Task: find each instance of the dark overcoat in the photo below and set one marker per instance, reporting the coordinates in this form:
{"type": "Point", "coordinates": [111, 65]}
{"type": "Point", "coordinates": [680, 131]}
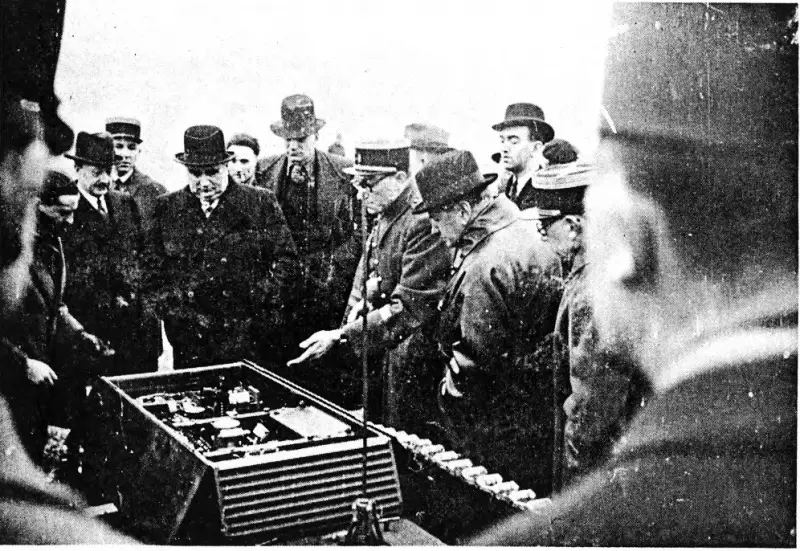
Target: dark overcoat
{"type": "Point", "coordinates": [710, 462]}
{"type": "Point", "coordinates": [42, 329]}
{"type": "Point", "coordinates": [410, 264]}
{"type": "Point", "coordinates": [219, 283]}
{"type": "Point", "coordinates": [496, 316]}
{"type": "Point", "coordinates": [104, 259]}
{"type": "Point", "coordinates": [328, 240]}
{"type": "Point", "coordinates": [144, 191]}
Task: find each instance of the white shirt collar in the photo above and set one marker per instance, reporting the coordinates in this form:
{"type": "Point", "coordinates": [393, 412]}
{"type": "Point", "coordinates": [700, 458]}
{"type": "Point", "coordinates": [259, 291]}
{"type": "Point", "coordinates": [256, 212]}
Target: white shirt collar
{"type": "Point", "coordinates": [93, 200]}
{"type": "Point", "coordinates": [124, 179]}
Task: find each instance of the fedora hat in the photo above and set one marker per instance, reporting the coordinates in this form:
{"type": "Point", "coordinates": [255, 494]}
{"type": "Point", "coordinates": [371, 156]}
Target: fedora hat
{"type": "Point", "coordinates": [203, 145]}
{"type": "Point", "coordinates": [124, 127]}
{"type": "Point", "coordinates": [527, 114]}
{"type": "Point", "coordinates": [93, 149]}
{"type": "Point", "coordinates": [427, 137]}
{"type": "Point", "coordinates": [448, 178]}
{"type": "Point", "coordinates": [379, 157]}
{"type": "Point", "coordinates": [297, 118]}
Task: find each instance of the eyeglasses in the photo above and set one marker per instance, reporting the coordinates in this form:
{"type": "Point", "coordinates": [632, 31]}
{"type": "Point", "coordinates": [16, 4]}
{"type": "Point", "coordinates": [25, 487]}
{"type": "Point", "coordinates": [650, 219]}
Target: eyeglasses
{"type": "Point", "coordinates": [208, 171]}
{"type": "Point", "coordinates": [367, 182]}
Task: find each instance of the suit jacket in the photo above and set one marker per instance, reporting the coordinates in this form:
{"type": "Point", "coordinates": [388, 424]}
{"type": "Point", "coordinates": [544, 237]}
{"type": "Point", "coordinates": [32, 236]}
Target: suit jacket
{"type": "Point", "coordinates": [219, 282]}
{"type": "Point", "coordinates": [412, 264]}
{"type": "Point", "coordinates": [144, 191]}
{"type": "Point", "coordinates": [524, 198]}
{"type": "Point", "coordinates": [329, 245]}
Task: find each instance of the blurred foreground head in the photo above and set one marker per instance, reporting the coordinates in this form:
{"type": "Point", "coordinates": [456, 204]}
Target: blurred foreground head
{"type": "Point", "coordinates": [693, 229]}
{"type": "Point", "coordinates": [30, 129]}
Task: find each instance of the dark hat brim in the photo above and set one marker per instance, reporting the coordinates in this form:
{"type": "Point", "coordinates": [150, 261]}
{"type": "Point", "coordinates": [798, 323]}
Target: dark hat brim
{"type": "Point", "coordinates": [435, 147]}
{"type": "Point", "coordinates": [204, 161]}
{"type": "Point", "coordinates": [88, 161]}
{"type": "Point", "coordinates": [444, 200]}
{"type": "Point", "coordinates": [128, 136]}
{"type": "Point", "coordinates": [548, 131]}
{"type": "Point", "coordinates": [280, 130]}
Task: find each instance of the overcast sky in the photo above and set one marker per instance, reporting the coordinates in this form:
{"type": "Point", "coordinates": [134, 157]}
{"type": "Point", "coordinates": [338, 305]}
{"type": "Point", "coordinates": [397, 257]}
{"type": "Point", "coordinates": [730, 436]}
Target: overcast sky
{"type": "Point", "coordinates": [371, 67]}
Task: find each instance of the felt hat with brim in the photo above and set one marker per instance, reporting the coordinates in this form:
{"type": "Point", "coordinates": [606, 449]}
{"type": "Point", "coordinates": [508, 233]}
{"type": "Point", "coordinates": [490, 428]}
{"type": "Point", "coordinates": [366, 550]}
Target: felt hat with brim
{"type": "Point", "coordinates": [448, 178]}
{"type": "Point", "coordinates": [558, 190]}
{"type": "Point", "coordinates": [297, 118]}
{"type": "Point", "coordinates": [427, 137]}
{"type": "Point", "coordinates": [203, 145]}
{"type": "Point", "coordinates": [379, 157]}
{"type": "Point", "coordinates": [93, 149]}
{"type": "Point", "coordinates": [527, 114]}
{"type": "Point", "coordinates": [124, 127]}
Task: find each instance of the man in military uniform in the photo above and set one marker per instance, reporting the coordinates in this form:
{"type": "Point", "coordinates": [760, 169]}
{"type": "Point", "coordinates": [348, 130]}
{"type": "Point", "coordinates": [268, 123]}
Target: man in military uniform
{"type": "Point", "coordinates": [693, 284]}
{"type": "Point", "coordinates": [321, 210]}
{"type": "Point", "coordinates": [408, 266]}
{"type": "Point", "coordinates": [497, 310]}
{"type": "Point", "coordinates": [219, 260]}
{"type": "Point", "coordinates": [126, 178]}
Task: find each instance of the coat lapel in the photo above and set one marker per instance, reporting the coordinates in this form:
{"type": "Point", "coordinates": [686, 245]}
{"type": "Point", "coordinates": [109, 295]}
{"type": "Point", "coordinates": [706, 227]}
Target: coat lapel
{"type": "Point", "coordinates": [398, 207]}
{"type": "Point", "coordinates": [328, 193]}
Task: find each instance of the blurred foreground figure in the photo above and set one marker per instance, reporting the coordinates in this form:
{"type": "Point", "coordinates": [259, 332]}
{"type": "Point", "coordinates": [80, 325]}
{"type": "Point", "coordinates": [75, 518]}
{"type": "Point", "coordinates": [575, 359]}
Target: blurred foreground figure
{"type": "Point", "coordinates": [692, 248]}
{"type": "Point", "coordinates": [32, 511]}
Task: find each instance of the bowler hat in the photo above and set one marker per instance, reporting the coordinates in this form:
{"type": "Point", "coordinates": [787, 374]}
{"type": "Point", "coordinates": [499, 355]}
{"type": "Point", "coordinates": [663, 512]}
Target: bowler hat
{"type": "Point", "coordinates": [297, 118]}
{"type": "Point", "coordinates": [559, 189]}
{"type": "Point", "coordinates": [527, 114]}
{"type": "Point", "coordinates": [123, 127]}
{"type": "Point", "coordinates": [93, 149]}
{"type": "Point", "coordinates": [380, 157]}
{"type": "Point", "coordinates": [448, 178]}
{"type": "Point", "coordinates": [427, 137]}
{"type": "Point", "coordinates": [203, 145]}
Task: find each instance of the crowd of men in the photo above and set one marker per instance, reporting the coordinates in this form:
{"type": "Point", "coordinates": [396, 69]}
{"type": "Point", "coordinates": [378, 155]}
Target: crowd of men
{"type": "Point", "coordinates": [538, 320]}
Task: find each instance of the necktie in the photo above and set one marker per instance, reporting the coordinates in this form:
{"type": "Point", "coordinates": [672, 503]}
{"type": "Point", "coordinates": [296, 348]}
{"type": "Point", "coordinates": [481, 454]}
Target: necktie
{"type": "Point", "coordinates": [208, 206]}
{"type": "Point", "coordinates": [101, 207]}
{"type": "Point", "coordinates": [511, 190]}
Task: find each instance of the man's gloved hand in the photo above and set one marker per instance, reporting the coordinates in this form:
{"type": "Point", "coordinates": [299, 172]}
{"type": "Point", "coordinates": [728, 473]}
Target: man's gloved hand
{"type": "Point", "coordinates": [39, 373]}
{"type": "Point", "coordinates": [96, 346]}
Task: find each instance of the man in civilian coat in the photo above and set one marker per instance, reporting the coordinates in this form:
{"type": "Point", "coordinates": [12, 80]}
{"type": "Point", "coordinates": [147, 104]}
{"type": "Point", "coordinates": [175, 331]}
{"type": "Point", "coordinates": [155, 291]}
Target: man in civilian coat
{"type": "Point", "coordinates": [322, 213]}
{"type": "Point", "coordinates": [523, 134]}
{"type": "Point", "coordinates": [219, 260]}
{"type": "Point", "coordinates": [497, 311]}
{"type": "Point", "coordinates": [408, 267]}
{"type": "Point", "coordinates": [126, 177]}
{"type": "Point", "coordinates": [695, 286]}
{"type": "Point", "coordinates": [103, 248]}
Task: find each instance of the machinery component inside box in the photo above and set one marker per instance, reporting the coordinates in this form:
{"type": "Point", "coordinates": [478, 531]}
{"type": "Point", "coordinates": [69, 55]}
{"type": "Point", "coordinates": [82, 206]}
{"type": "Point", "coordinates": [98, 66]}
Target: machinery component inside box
{"type": "Point", "coordinates": [232, 454]}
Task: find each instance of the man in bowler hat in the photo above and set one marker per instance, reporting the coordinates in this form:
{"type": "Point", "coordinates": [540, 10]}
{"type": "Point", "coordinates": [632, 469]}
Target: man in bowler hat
{"type": "Point", "coordinates": [692, 250]}
{"type": "Point", "coordinates": [126, 178]}
{"type": "Point", "coordinates": [426, 141]}
{"type": "Point", "coordinates": [321, 210]}
{"type": "Point", "coordinates": [103, 248]}
{"type": "Point", "coordinates": [523, 134]}
{"type": "Point", "coordinates": [498, 308]}
{"type": "Point", "coordinates": [408, 266]}
{"type": "Point", "coordinates": [218, 260]}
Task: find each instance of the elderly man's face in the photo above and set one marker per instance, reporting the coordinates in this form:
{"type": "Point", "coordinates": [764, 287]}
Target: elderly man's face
{"type": "Point", "coordinates": [451, 221]}
{"type": "Point", "coordinates": [301, 150]}
{"type": "Point", "coordinates": [126, 151]}
{"type": "Point", "coordinates": [378, 192]}
{"type": "Point", "coordinates": [242, 167]}
{"type": "Point", "coordinates": [94, 180]}
{"type": "Point", "coordinates": [518, 151]}
{"type": "Point", "coordinates": [207, 181]}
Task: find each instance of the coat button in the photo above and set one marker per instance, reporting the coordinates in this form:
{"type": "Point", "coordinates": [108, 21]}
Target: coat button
{"type": "Point", "coordinates": [199, 231]}
{"type": "Point", "coordinates": [223, 260]}
{"type": "Point", "coordinates": [226, 293]}
{"type": "Point", "coordinates": [190, 294]}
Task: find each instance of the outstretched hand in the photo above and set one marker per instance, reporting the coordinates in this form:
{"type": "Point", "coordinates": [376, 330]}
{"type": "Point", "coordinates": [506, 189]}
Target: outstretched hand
{"type": "Point", "coordinates": [316, 346]}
